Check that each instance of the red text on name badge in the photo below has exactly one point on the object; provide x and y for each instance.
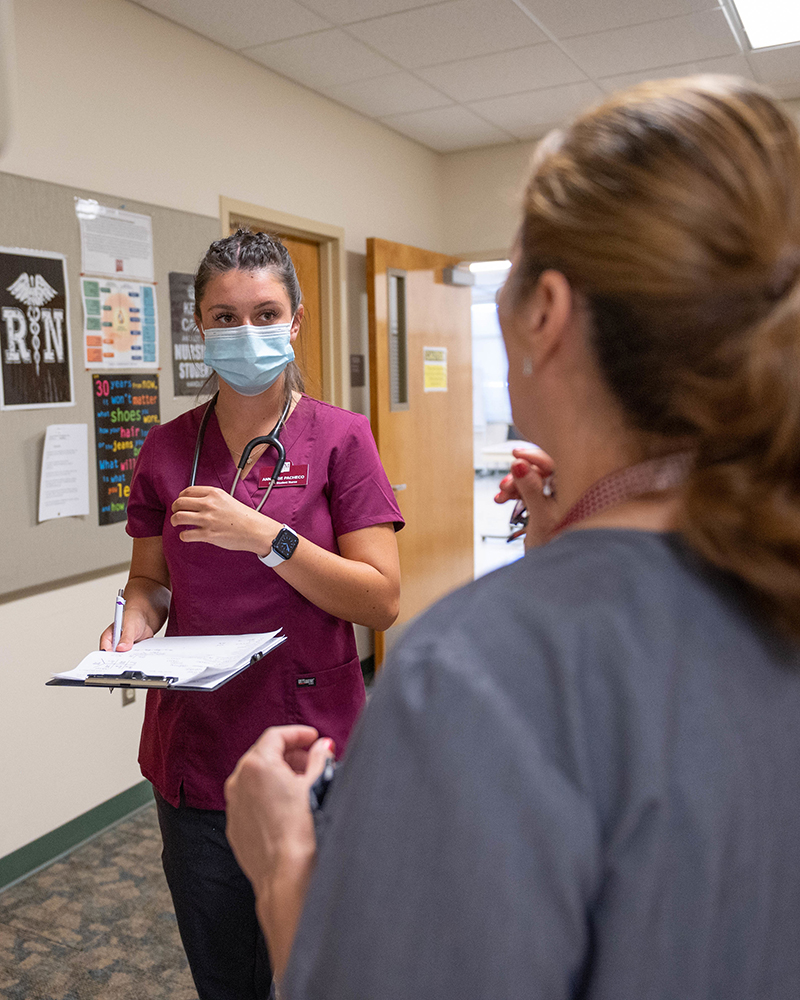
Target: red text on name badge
(291, 475)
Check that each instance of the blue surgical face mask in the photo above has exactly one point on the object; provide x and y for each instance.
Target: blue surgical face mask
(249, 358)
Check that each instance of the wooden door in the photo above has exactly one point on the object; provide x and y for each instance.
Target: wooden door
(426, 442)
(305, 256)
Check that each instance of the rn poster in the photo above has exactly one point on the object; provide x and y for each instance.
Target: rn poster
(189, 372)
(35, 353)
(125, 408)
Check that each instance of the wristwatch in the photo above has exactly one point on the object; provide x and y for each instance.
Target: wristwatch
(283, 545)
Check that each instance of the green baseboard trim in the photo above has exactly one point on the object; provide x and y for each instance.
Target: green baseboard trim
(47, 849)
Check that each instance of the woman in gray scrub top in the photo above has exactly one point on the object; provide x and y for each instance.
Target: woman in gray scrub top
(579, 777)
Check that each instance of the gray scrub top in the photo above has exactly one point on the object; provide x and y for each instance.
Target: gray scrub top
(578, 777)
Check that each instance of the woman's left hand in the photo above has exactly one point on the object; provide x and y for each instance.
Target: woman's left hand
(209, 514)
(270, 828)
(530, 469)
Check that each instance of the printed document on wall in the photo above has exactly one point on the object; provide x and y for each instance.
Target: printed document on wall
(64, 484)
(120, 324)
(115, 242)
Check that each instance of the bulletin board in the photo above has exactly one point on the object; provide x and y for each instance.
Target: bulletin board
(41, 216)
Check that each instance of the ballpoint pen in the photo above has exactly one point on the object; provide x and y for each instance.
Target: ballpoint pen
(119, 608)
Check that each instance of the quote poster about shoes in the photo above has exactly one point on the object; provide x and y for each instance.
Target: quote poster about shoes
(125, 408)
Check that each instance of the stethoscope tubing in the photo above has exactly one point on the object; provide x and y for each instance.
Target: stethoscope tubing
(271, 440)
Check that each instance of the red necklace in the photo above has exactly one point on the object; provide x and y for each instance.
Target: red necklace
(653, 476)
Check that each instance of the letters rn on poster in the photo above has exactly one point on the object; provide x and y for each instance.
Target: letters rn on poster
(35, 352)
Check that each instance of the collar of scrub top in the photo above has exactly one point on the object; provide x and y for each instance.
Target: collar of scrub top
(271, 440)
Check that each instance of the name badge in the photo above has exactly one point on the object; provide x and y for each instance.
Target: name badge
(291, 475)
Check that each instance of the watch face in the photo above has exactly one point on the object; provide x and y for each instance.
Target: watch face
(285, 543)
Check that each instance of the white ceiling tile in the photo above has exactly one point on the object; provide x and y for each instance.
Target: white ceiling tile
(658, 43)
(347, 11)
(511, 72)
(457, 29)
(322, 60)
(529, 115)
(566, 17)
(778, 67)
(238, 23)
(396, 94)
(728, 65)
(447, 129)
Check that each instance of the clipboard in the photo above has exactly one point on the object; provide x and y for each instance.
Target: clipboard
(137, 679)
(213, 678)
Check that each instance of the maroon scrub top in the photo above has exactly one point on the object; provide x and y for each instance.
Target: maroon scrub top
(194, 739)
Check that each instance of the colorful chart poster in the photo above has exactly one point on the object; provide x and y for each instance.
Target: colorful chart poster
(115, 242)
(125, 408)
(188, 369)
(35, 352)
(120, 323)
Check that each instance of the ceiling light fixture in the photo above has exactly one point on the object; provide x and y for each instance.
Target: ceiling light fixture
(769, 22)
(489, 265)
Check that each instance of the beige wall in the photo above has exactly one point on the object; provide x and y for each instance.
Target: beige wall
(482, 196)
(115, 99)
(482, 192)
(63, 750)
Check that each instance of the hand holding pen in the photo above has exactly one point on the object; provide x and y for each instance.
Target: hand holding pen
(119, 610)
(530, 483)
(138, 615)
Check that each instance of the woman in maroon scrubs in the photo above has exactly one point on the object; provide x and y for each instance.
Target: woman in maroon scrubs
(320, 555)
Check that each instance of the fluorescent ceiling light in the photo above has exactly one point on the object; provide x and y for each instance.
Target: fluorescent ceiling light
(770, 22)
(489, 265)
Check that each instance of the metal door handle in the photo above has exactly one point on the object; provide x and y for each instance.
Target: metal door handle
(398, 487)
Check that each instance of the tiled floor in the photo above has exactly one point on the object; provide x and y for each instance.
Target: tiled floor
(97, 925)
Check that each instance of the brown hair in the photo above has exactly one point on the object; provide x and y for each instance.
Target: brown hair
(249, 251)
(674, 208)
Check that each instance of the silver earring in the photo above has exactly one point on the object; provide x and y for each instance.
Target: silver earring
(527, 367)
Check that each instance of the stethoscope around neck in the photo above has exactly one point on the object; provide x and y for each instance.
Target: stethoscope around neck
(271, 440)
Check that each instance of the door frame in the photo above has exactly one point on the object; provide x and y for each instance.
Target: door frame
(332, 271)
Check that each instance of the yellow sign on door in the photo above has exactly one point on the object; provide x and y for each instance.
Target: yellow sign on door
(435, 369)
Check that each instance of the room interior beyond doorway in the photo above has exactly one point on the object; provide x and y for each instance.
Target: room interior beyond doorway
(493, 431)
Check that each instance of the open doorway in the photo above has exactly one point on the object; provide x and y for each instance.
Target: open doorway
(493, 432)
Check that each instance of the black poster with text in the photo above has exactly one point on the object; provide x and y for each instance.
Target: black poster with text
(34, 330)
(188, 369)
(125, 408)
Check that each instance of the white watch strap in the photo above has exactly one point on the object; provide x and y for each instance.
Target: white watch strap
(273, 558)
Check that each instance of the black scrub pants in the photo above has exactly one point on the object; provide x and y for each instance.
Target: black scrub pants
(214, 904)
